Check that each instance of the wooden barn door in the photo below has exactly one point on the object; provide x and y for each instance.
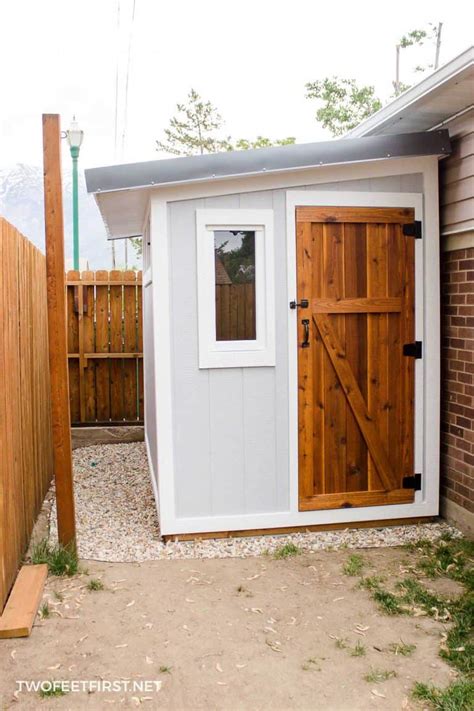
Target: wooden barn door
(356, 387)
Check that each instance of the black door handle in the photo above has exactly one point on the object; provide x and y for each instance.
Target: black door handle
(305, 323)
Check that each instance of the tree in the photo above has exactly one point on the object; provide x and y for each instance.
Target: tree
(193, 130)
(417, 38)
(197, 130)
(244, 144)
(345, 104)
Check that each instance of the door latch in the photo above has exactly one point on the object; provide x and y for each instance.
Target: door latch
(305, 323)
(303, 304)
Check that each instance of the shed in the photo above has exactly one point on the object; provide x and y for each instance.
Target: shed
(291, 330)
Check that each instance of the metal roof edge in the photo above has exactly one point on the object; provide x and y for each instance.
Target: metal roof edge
(239, 164)
(410, 96)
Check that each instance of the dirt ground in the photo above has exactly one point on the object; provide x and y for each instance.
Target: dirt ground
(254, 633)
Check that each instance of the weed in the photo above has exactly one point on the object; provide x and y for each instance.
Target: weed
(354, 565)
(45, 612)
(51, 689)
(341, 643)
(388, 602)
(95, 584)
(358, 650)
(287, 551)
(405, 650)
(165, 670)
(61, 560)
(241, 589)
(458, 696)
(376, 676)
(58, 596)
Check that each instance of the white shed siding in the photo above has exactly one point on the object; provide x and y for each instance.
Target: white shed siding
(231, 431)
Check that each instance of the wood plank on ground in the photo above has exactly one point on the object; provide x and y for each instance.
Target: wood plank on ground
(22, 605)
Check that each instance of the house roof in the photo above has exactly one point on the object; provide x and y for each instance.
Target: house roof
(121, 191)
(426, 106)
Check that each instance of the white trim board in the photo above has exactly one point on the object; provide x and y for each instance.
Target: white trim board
(236, 354)
(426, 502)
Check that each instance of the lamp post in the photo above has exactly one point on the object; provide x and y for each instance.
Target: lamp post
(74, 138)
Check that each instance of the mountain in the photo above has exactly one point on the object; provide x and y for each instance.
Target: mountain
(21, 203)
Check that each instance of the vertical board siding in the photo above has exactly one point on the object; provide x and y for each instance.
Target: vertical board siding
(104, 313)
(26, 461)
(214, 409)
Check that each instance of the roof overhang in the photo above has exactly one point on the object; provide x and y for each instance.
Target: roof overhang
(426, 106)
(122, 191)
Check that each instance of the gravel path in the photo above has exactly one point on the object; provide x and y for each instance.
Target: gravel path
(117, 520)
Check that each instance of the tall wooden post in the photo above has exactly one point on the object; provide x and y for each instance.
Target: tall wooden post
(56, 291)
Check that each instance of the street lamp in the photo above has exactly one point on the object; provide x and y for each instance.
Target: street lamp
(74, 137)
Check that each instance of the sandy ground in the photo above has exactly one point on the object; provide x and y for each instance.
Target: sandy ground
(255, 633)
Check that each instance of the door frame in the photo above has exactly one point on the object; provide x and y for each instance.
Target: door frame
(424, 397)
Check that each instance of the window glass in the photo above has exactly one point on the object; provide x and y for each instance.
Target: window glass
(234, 252)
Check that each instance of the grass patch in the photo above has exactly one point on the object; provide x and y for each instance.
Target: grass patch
(165, 670)
(387, 602)
(452, 557)
(95, 584)
(405, 650)
(61, 560)
(287, 551)
(358, 650)
(459, 648)
(354, 565)
(458, 696)
(51, 689)
(45, 611)
(377, 676)
(413, 593)
(372, 582)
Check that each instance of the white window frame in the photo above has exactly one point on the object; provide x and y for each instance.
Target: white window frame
(236, 354)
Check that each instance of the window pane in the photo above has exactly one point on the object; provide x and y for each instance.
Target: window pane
(235, 285)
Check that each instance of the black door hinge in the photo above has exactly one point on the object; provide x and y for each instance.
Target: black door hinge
(413, 229)
(415, 350)
(412, 482)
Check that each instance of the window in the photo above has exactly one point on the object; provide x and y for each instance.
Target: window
(234, 252)
(235, 288)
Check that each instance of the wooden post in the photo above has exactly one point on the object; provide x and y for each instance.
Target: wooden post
(56, 290)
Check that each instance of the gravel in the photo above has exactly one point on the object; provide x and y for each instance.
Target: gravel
(117, 520)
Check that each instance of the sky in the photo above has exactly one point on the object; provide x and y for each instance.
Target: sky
(250, 58)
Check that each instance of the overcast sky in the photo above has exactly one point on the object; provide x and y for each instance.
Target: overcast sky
(250, 58)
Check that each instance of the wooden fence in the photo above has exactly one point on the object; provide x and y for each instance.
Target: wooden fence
(235, 312)
(105, 344)
(26, 452)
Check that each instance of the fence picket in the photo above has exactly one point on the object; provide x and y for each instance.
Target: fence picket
(112, 387)
(26, 461)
